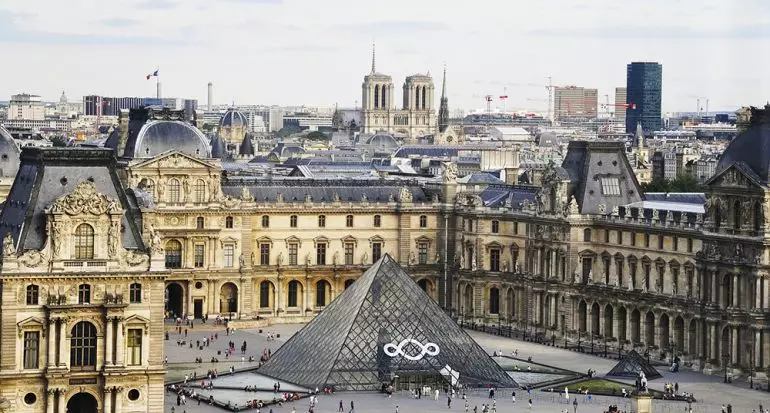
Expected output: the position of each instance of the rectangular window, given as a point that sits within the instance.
(422, 253)
(31, 349)
(134, 344)
(423, 221)
(84, 294)
(494, 260)
(610, 186)
(620, 238)
(661, 241)
(689, 244)
(293, 221)
(495, 227)
(349, 248)
(293, 251)
(349, 221)
(264, 254)
(376, 251)
(606, 236)
(633, 239)
(200, 252)
(515, 227)
(646, 240)
(322, 221)
(377, 221)
(320, 254)
(229, 253)
(135, 293)
(675, 244)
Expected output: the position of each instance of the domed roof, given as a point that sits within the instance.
(233, 118)
(382, 140)
(156, 137)
(752, 147)
(9, 154)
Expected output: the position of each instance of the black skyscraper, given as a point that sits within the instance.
(644, 93)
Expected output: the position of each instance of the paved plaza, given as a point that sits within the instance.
(709, 390)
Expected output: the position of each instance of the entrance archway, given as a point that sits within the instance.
(622, 333)
(649, 329)
(608, 320)
(595, 319)
(174, 299)
(679, 334)
(82, 403)
(635, 327)
(693, 333)
(468, 299)
(665, 341)
(228, 298)
(582, 317)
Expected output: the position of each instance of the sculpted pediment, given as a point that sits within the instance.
(734, 177)
(174, 160)
(85, 199)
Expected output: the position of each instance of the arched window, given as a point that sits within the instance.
(587, 235)
(377, 221)
(423, 101)
(383, 92)
(717, 218)
(200, 191)
(33, 294)
(173, 191)
(737, 218)
(264, 294)
(417, 97)
(199, 223)
(265, 221)
(135, 293)
(293, 293)
(83, 346)
(173, 254)
(321, 290)
(84, 242)
(376, 96)
(229, 222)
(494, 301)
(84, 294)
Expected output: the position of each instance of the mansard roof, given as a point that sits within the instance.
(326, 190)
(45, 175)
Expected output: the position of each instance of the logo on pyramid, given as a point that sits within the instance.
(382, 328)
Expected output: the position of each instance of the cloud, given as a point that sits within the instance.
(652, 32)
(395, 26)
(155, 4)
(119, 22)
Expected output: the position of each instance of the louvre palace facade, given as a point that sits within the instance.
(99, 244)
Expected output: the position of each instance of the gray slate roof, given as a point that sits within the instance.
(9, 154)
(49, 173)
(295, 189)
(751, 147)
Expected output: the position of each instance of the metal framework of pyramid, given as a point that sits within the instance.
(631, 365)
(383, 326)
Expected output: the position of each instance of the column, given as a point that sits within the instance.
(734, 344)
(108, 343)
(49, 400)
(736, 282)
(119, 399)
(51, 347)
(713, 354)
(107, 400)
(279, 295)
(758, 293)
(757, 348)
(119, 345)
(714, 276)
(63, 342)
(62, 408)
(306, 292)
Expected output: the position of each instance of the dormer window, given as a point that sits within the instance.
(84, 242)
(610, 186)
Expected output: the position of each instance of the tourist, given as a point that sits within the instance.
(530, 404)
(341, 409)
(352, 408)
(435, 395)
(449, 402)
(466, 406)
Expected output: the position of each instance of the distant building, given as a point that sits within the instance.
(644, 92)
(706, 167)
(620, 99)
(574, 102)
(664, 165)
(27, 107)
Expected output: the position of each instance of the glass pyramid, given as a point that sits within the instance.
(384, 329)
(631, 365)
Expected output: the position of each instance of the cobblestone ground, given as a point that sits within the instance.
(709, 390)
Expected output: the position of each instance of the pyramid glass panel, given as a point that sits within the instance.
(384, 329)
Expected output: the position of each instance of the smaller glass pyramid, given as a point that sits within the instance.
(384, 330)
(631, 365)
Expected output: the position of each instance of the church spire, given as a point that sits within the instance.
(443, 110)
(373, 58)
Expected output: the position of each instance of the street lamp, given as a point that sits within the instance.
(725, 359)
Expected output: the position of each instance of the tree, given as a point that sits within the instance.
(288, 130)
(316, 136)
(58, 142)
(682, 183)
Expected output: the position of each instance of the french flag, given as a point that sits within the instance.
(153, 74)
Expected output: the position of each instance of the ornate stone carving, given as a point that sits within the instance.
(405, 195)
(230, 202)
(336, 197)
(279, 197)
(134, 258)
(9, 249)
(280, 258)
(114, 238)
(246, 195)
(31, 259)
(573, 206)
(450, 172)
(365, 258)
(214, 189)
(57, 238)
(155, 241)
(84, 199)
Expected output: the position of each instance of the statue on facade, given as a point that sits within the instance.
(474, 263)
(411, 259)
(114, 238)
(405, 195)
(155, 241)
(614, 281)
(630, 284)
(57, 228)
(307, 259)
(517, 267)
(186, 187)
(365, 258)
(437, 260)
(241, 261)
(505, 265)
(214, 189)
(450, 172)
(462, 260)
(335, 257)
(8, 247)
(280, 258)
(576, 278)
(673, 289)
(253, 259)
(657, 286)
(161, 187)
(591, 276)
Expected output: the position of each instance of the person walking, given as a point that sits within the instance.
(513, 397)
(449, 402)
(530, 404)
(352, 408)
(341, 409)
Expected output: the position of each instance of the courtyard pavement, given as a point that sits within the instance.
(710, 392)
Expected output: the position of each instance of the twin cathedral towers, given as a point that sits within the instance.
(417, 116)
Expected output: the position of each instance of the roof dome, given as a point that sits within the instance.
(218, 148)
(752, 147)
(382, 140)
(9, 154)
(156, 137)
(233, 118)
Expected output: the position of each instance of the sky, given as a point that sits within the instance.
(316, 52)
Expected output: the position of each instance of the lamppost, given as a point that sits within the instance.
(725, 359)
